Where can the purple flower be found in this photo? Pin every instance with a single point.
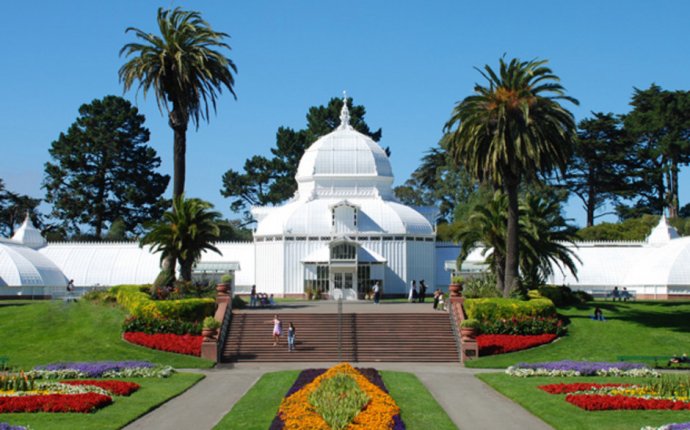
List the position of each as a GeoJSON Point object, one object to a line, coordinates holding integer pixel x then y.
{"type": "Point", "coordinates": [586, 368]}
{"type": "Point", "coordinates": [679, 426]}
{"type": "Point", "coordinates": [6, 426]}
{"type": "Point", "coordinates": [97, 368]}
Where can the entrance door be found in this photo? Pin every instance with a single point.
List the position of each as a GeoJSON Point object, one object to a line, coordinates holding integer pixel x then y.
{"type": "Point", "coordinates": [343, 281]}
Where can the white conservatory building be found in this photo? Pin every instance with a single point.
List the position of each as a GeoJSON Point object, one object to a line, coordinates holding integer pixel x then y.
{"type": "Point", "coordinates": [343, 230]}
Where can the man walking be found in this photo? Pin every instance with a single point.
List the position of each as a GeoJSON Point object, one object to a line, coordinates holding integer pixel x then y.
{"type": "Point", "coordinates": [377, 292]}
{"type": "Point", "coordinates": [422, 291]}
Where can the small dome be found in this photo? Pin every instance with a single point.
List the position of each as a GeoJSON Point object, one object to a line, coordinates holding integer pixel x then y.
{"type": "Point", "coordinates": [662, 234]}
{"type": "Point", "coordinates": [23, 266]}
{"type": "Point", "coordinates": [28, 235]}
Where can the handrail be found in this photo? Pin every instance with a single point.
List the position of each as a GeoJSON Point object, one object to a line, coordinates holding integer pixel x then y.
{"type": "Point", "coordinates": [456, 330]}
{"type": "Point", "coordinates": [224, 330]}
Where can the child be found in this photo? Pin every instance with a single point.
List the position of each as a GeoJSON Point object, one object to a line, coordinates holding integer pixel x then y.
{"type": "Point", "coordinates": [277, 330]}
{"type": "Point", "coordinates": [291, 337]}
{"type": "Point", "coordinates": [441, 304]}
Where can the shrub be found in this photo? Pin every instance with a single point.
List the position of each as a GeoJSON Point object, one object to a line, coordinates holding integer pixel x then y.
{"type": "Point", "coordinates": [226, 279]}
{"type": "Point", "coordinates": [481, 287]}
{"type": "Point", "coordinates": [211, 323]}
{"type": "Point", "coordinates": [100, 296]}
{"type": "Point", "coordinates": [456, 279]}
{"type": "Point", "coordinates": [160, 325]}
{"type": "Point", "coordinates": [238, 303]}
{"type": "Point", "coordinates": [498, 308]}
{"type": "Point", "coordinates": [139, 304]}
{"type": "Point", "coordinates": [524, 326]}
{"type": "Point", "coordinates": [562, 296]}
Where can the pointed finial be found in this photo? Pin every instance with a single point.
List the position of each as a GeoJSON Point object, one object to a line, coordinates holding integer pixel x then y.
{"type": "Point", "coordinates": [344, 114]}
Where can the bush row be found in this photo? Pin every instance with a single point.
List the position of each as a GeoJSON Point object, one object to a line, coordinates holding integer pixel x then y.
{"type": "Point", "coordinates": [523, 326]}
{"type": "Point", "coordinates": [563, 296]}
{"type": "Point", "coordinates": [136, 300]}
{"type": "Point", "coordinates": [160, 326]}
{"type": "Point", "coordinates": [497, 308]}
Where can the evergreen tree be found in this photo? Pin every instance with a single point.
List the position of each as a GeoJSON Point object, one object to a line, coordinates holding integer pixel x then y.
{"type": "Point", "coordinates": [270, 181]}
{"type": "Point", "coordinates": [13, 209]}
{"type": "Point", "coordinates": [102, 170]}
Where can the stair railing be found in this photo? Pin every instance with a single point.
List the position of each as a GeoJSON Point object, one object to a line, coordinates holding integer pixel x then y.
{"type": "Point", "coordinates": [456, 331]}
{"type": "Point", "coordinates": [224, 330]}
{"type": "Point", "coordinates": [340, 329]}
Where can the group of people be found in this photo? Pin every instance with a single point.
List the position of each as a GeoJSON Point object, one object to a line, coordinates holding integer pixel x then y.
{"type": "Point", "coordinates": [260, 299]}
{"type": "Point", "coordinates": [620, 295]}
{"type": "Point", "coordinates": [417, 296]}
{"type": "Point", "coordinates": [278, 331]}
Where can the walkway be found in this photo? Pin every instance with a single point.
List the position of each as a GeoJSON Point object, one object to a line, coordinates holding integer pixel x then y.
{"type": "Point", "coordinates": [471, 404]}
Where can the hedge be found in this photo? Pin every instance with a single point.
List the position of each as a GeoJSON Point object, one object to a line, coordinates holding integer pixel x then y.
{"type": "Point", "coordinates": [498, 308]}
{"type": "Point", "coordinates": [136, 300]}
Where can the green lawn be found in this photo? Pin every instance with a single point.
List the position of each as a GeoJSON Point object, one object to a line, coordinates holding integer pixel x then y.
{"type": "Point", "coordinates": [562, 415]}
{"type": "Point", "coordinates": [43, 332]}
{"type": "Point", "coordinates": [256, 409]}
{"type": "Point", "coordinates": [153, 392]}
{"type": "Point", "coordinates": [631, 328]}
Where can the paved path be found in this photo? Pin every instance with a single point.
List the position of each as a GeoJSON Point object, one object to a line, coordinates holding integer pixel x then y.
{"type": "Point", "coordinates": [471, 404]}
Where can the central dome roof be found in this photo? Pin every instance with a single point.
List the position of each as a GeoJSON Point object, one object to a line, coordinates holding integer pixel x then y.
{"type": "Point", "coordinates": [344, 159]}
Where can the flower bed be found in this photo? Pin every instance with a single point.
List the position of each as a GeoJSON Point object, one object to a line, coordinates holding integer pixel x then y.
{"type": "Point", "coordinates": [118, 388]}
{"type": "Point", "coordinates": [7, 426]}
{"type": "Point", "coordinates": [603, 402]}
{"type": "Point", "coordinates": [580, 368]}
{"type": "Point", "coordinates": [181, 344]}
{"type": "Point", "coordinates": [297, 413]}
{"type": "Point", "coordinates": [575, 387]}
{"type": "Point", "coordinates": [672, 426]}
{"type": "Point", "coordinates": [82, 403]}
{"type": "Point", "coordinates": [100, 369]}
{"type": "Point", "coordinates": [490, 344]}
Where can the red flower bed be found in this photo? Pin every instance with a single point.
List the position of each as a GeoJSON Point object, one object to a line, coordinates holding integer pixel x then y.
{"type": "Point", "coordinates": [83, 403]}
{"type": "Point", "coordinates": [490, 344]}
{"type": "Point", "coordinates": [597, 402]}
{"type": "Point", "coordinates": [577, 386]}
{"type": "Point", "coordinates": [118, 388]}
{"type": "Point", "coordinates": [182, 344]}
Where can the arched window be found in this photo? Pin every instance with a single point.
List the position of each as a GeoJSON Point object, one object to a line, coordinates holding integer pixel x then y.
{"type": "Point", "coordinates": [344, 218]}
{"type": "Point", "coordinates": [343, 251]}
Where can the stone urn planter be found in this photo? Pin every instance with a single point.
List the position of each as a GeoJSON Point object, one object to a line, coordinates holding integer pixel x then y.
{"type": "Point", "coordinates": [455, 287]}
{"type": "Point", "coordinates": [225, 284]}
{"type": "Point", "coordinates": [469, 329]}
{"type": "Point", "coordinates": [210, 328]}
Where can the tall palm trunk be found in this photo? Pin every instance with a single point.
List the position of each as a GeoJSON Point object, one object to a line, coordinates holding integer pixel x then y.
{"type": "Point", "coordinates": [512, 232]}
{"type": "Point", "coordinates": [178, 122]}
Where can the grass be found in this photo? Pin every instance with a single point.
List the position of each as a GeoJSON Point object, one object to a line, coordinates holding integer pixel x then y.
{"type": "Point", "coordinates": [256, 409]}
{"type": "Point", "coordinates": [631, 328]}
{"type": "Point", "coordinates": [419, 409]}
{"type": "Point", "coordinates": [560, 414]}
{"type": "Point", "coordinates": [43, 332]}
{"type": "Point", "coordinates": [153, 392]}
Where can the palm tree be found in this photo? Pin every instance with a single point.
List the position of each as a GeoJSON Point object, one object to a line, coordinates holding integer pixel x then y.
{"type": "Point", "coordinates": [186, 231]}
{"type": "Point", "coordinates": [509, 131]}
{"type": "Point", "coordinates": [544, 234]}
{"type": "Point", "coordinates": [185, 71]}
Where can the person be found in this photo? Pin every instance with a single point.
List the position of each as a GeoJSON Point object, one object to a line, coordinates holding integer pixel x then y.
{"type": "Point", "coordinates": [252, 297]}
{"type": "Point", "coordinates": [422, 291]}
{"type": "Point", "coordinates": [277, 329]}
{"type": "Point", "coordinates": [441, 304]}
{"type": "Point", "coordinates": [70, 286]}
{"type": "Point", "coordinates": [615, 294]}
{"type": "Point", "coordinates": [625, 295]}
{"type": "Point", "coordinates": [377, 292]}
{"type": "Point", "coordinates": [679, 359]}
{"type": "Point", "coordinates": [413, 291]}
{"type": "Point", "coordinates": [271, 302]}
{"type": "Point", "coordinates": [436, 297]}
{"type": "Point", "coordinates": [598, 314]}
{"type": "Point", "coordinates": [291, 337]}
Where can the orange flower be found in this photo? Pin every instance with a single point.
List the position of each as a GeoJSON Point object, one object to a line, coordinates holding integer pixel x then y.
{"type": "Point", "coordinates": [297, 413]}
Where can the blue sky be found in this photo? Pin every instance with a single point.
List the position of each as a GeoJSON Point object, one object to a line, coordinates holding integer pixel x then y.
{"type": "Point", "coordinates": [407, 62]}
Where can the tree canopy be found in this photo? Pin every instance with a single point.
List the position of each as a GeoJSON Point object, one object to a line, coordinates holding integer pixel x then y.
{"type": "Point", "coordinates": [13, 210]}
{"type": "Point", "coordinates": [510, 130]}
{"type": "Point", "coordinates": [271, 180]}
{"type": "Point", "coordinates": [102, 170]}
{"type": "Point", "coordinates": [185, 69]}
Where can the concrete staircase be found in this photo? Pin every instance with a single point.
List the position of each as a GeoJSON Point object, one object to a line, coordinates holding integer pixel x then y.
{"type": "Point", "coordinates": [412, 337]}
